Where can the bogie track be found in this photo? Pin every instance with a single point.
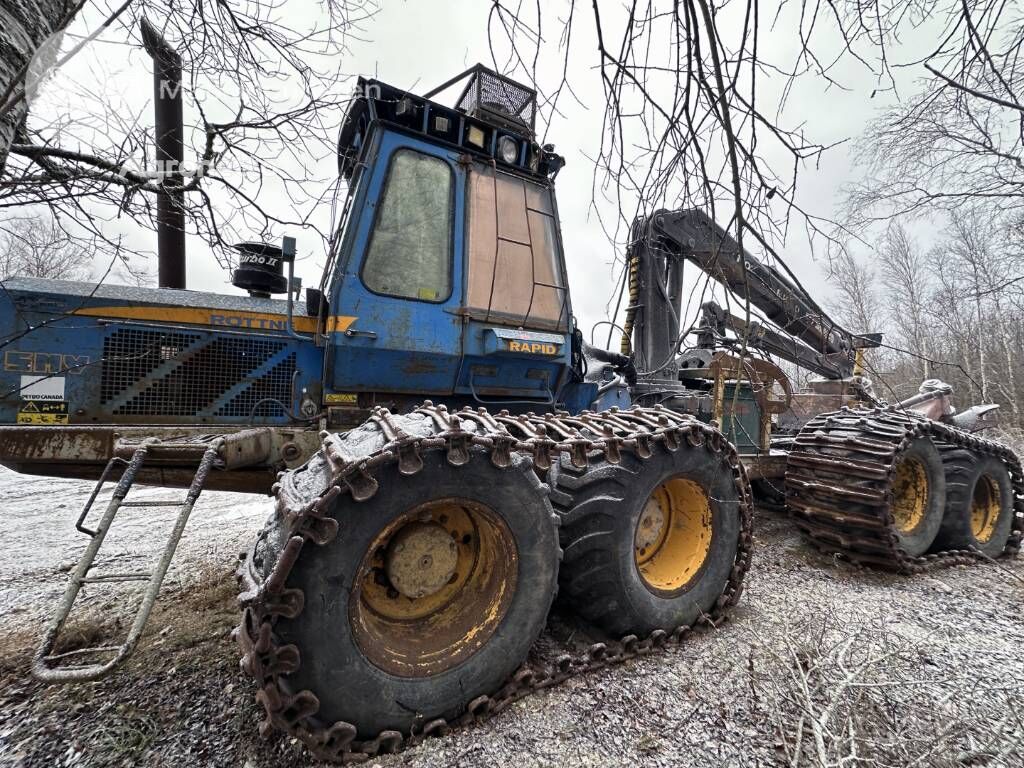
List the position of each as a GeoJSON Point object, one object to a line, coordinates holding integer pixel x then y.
{"type": "Point", "coordinates": [317, 504]}
{"type": "Point", "coordinates": [843, 480]}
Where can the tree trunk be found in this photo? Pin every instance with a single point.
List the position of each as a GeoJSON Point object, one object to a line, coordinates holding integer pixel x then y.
{"type": "Point", "coordinates": [981, 333]}
{"type": "Point", "coordinates": [1008, 359]}
{"type": "Point", "coordinates": [25, 26]}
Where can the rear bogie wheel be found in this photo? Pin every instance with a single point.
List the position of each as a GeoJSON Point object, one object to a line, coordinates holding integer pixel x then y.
{"type": "Point", "coordinates": [430, 595]}
{"type": "Point", "coordinates": [979, 504]}
{"type": "Point", "coordinates": [649, 543]}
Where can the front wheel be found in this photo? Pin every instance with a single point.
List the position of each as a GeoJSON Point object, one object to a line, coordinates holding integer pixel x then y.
{"type": "Point", "coordinates": [429, 596]}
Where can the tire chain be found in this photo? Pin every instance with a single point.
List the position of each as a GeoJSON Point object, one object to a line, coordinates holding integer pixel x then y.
{"type": "Point", "coordinates": [545, 439]}
{"type": "Point", "coordinates": [871, 440]}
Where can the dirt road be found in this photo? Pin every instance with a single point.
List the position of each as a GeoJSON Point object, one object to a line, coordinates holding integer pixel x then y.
{"type": "Point", "coordinates": [888, 668]}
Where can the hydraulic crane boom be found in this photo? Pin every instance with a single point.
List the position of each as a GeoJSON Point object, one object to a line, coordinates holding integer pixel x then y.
{"type": "Point", "coordinates": [662, 242]}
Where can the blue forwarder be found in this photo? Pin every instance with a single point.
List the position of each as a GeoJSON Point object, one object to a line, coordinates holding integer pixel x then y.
{"type": "Point", "coordinates": [444, 447]}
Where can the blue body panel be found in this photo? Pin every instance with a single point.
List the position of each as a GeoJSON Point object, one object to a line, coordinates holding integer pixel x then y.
{"type": "Point", "coordinates": [416, 345]}
{"type": "Point", "coordinates": [78, 354]}
{"type": "Point", "coordinates": [511, 363]}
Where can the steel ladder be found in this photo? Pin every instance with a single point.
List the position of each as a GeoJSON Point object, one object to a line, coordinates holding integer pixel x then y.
{"type": "Point", "coordinates": [54, 668]}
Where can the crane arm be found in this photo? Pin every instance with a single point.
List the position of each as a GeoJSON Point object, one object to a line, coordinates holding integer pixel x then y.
{"type": "Point", "coordinates": [664, 240]}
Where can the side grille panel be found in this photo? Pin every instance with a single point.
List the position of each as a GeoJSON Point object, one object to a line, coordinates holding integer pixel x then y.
{"type": "Point", "coordinates": [266, 395]}
{"type": "Point", "coordinates": [156, 373]}
{"type": "Point", "coordinates": [129, 356]}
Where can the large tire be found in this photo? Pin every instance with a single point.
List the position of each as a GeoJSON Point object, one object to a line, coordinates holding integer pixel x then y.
{"type": "Point", "coordinates": [917, 487]}
{"type": "Point", "coordinates": [979, 503]}
{"type": "Point", "coordinates": [604, 577]}
{"type": "Point", "coordinates": [381, 674]}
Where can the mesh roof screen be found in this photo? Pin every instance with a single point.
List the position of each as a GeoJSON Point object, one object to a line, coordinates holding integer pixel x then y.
{"type": "Point", "coordinates": [496, 94]}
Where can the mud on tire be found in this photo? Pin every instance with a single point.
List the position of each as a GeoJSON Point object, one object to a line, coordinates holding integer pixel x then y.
{"type": "Point", "coordinates": [917, 484]}
{"type": "Point", "coordinates": [434, 452]}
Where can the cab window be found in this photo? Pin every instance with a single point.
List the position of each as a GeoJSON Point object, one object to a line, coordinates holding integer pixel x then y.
{"type": "Point", "coordinates": [410, 252]}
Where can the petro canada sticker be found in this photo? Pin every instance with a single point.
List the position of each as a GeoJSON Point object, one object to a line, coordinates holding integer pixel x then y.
{"type": "Point", "coordinates": [42, 401]}
{"type": "Point", "coordinates": [42, 388]}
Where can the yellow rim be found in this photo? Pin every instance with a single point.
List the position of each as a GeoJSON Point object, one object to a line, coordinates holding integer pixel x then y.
{"type": "Point", "coordinates": [910, 494]}
{"type": "Point", "coordinates": [433, 587]}
{"type": "Point", "coordinates": [986, 505]}
{"type": "Point", "coordinates": [673, 535]}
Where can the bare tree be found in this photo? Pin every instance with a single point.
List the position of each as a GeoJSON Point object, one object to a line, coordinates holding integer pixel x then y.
{"type": "Point", "coordinates": [856, 297]}
{"type": "Point", "coordinates": [857, 301]}
{"type": "Point", "coordinates": [954, 311]}
{"type": "Point", "coordinates": [975, 244]}
{"type": "Point", "coordinates": [33, 246]}
{"type": "Point", "coordinates": [263, 102]}
{"type": "Point", "coordinates": [958, 142]}
{"type": "Point", "coordinates": [29, 36]}
{"type": "Point", "coordinates": [694, 109]}
{"type": "Point", "coordinates": [693, 114]}
{"type": "Point", "coordinates": [904, 267]}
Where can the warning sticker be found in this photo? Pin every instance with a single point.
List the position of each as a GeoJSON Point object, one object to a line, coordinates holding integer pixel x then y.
{"type": "Point", "coordinates": [341, 398]}
{"type": "Point", "coordinates": [43, 412]}
{"type": "Point", "coordinates": [42, 388]}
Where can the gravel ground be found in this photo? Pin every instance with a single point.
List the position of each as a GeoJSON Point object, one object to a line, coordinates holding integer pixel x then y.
{"type": "Point", "coordinates": [894, 670]}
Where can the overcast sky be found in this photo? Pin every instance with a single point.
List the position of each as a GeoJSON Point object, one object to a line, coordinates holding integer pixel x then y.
{"type": "Point", "coordinates": [419, 45]}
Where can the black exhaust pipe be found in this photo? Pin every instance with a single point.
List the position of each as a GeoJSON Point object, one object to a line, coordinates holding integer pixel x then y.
{"type": "Point", "coordinates": [170, 154]}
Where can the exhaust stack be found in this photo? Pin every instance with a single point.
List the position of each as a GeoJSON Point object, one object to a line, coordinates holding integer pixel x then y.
{"type": "Point", "coordinates": [170, 153]}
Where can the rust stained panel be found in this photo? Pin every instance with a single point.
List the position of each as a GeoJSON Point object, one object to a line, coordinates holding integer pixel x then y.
{"type": "Point", "coordinates": [513, 279]}
{"type": "Point", "coordinates": [547, 300]}
{"type": "Point", "coordinates": [512, 221]}
{"type": "Point", "coordinates": [420, 365]}
{"type": "Point", "coordinates": [482, 241]}
{"type": "Point", "coordinates": [538, 199]}
{"type": "Point", "coordinates": [82, 452]}
{"type": "Point", "coordinates": [55, 444]}
{"type": "Point", "coordinates": [764, 467]}
{"type": "Point", "coordinates": [505, 275]}
{"type": "Point", "coordinates": [258, 481]}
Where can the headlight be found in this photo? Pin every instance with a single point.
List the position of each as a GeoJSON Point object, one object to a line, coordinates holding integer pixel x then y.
{"type": "Point", "coordinates": [475, 136]}
{"type": "Point", "coordinates": [508, 148]}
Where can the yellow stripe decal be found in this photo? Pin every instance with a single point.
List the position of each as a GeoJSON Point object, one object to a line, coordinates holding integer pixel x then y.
{"type": "Point", "coordinates": [263, 321]}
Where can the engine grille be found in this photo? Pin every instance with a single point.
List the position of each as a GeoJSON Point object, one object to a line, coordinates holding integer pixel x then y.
{"type": "Point", "coordinates": [130, 356]}
{"type": "Point", "coordinates": [158, 373]}
{"type": "Point", "coordinates": [264, 396]}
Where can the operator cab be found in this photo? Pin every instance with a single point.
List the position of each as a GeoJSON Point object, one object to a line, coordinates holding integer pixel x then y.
{"type": "Point", "coordinates": [449, 278]}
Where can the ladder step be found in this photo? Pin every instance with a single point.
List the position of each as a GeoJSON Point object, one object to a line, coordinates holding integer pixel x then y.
{"type": "Point", "coordinates": [84, 651]}
{"type": "Point", "coordinates": [154, 503]}
{"type": "Point", "coordinates": [137, 576]}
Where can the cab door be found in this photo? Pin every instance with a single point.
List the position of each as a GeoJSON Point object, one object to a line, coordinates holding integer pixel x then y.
{"type": "Point", "coordinates": [402, 282]}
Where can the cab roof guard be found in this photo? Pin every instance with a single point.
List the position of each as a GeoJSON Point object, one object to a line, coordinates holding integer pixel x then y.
{"type": "Point", "coordinates": [494, 118]}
